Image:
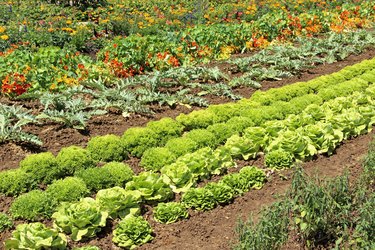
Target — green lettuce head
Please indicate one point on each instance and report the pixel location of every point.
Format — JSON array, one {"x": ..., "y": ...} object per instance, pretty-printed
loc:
[{"x": 80, "y": 219}]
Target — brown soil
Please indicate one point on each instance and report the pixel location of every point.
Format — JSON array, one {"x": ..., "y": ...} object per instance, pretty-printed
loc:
[
  {"x": 55, "y": 137},
  {"x": 203, "y": 230}
]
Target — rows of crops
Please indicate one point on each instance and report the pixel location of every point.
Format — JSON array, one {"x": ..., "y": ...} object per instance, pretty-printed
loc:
[
  {"x": 65, "y": 62},
  {"x": 290, "y": 123},
  {"x": 46, "y": 47}
]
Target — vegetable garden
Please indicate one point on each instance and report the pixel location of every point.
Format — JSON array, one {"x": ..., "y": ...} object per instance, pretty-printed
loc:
[{"x": 158, "y": 124}]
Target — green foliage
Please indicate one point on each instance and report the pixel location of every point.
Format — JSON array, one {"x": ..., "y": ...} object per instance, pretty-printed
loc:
[
  {"x": 15, "y": 182},
  {"x": 181, "y": 146},
  {"x": 170, "y": 212},
  {"x": 200, "y": 164},
  {"x": 320, "y": 212},
  {"x": 165, "y": 129},
  {"x": 87, "y": 248},
  {"x": 121, "y": 173},
  {"x": 294, "y": 143},
  {"x": 154, "y": 159},
  {"x": 132, "y": 232},
  {"x": 137, "y": 140},
  {"x": 36, "y": 236},
  {"x": 199, "y": 198},
  {"x": 74, "y": 158},
  {"x": 222, "y": 193},
  {"x": 202, "y": 137},
  {"x": 270, "y": 232},
  {"x": 96, "y": 178},
  {"x": 197, "y": 119},
  {"x": 221, "y": 131},
  {"x": 178, "y": 176},
  {"x": 42, "y": 167},
  {"x": 5, "y": 222},
  {"x": 107, "y": 148},
  {"x": 68, "y": 189},
  {"x": 254, "y": 177},
  {"x": 242, "y": 147},
  {"x": 80, "y": 219},
  {"x": 279, "y": 159},
  {"x": 118, "y": 202},
  {"x": 12, "y": 120},
  {"x": 236, "y": 182},
  {"x": 150, "y": 186},
  {"x": 32, "y": 206}
]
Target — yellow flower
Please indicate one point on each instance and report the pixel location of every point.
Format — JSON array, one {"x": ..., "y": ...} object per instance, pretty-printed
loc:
[
  {"x": 53, "y": 86},
  {"x": 69, "y": 22},
  {"x": 4, "y": 37},
  {"x": 50, "y": 29},
  {"x": 2, "y": 29}
]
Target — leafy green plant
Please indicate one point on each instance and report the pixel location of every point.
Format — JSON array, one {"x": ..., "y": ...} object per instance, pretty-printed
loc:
[
  {"x": 202, "y": 137},
  {"x": 96, "y": 178},
  {"x": 150, "y": 186},
  {"x": 137, "y": 140},
  {"x": 180, "y": 146},
  {"x": 242, "y": 147},
  {"x": 36, "y": 236},
  {"x": 178, "y": 176},
  {"x": 74, "y": 158},
  {"x": 5, "y": 222},
  {"x": 87, "y": 248},
  {"x": 118, "y": 202},
  {"x": 279, "y": 159},
  {"x": 68, "y": 189},
  {"x": 154, "y": 159},
  {"x": 81, "y": 219},
  {"x": 72, "y": 112},
  {"x": 107, "y": 148},
  {"x": 199, "y": 198},
  {"x": 170, "y": 212},
  {"x": 165, "y": 129},
  {"x": 32, "y": 206},
  {"x": 222, "y": 193},
  {"x": 132, "y": 232},
  {"x": 42, "y": 167},
  {"x": 15, "y": 182},
  {"x": 121, "y": 173},
  {"x": 12, "y": 120}
]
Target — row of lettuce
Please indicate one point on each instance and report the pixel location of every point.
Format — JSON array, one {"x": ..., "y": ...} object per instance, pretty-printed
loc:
[
  {"x": 160, "y": 143},
  {"x": 330, "y": 108}
]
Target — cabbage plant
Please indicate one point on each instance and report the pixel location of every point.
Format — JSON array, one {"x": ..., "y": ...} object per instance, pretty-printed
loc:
[
  {"x": 118, "y": 202},
  {"x": 36, "y": 236},
  {"x": 80, "y": 219},
  {"x": 132, "y": 232},
  {"x": 170, "y": 212}
]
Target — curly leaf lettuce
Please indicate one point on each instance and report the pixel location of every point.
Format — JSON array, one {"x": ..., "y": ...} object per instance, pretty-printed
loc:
[
  {"x": 118, "y": 202},
  {"x": 36, "y": 236},
  {"x": 80, "y": 219},
  {"x": 132, "y": 232}
]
